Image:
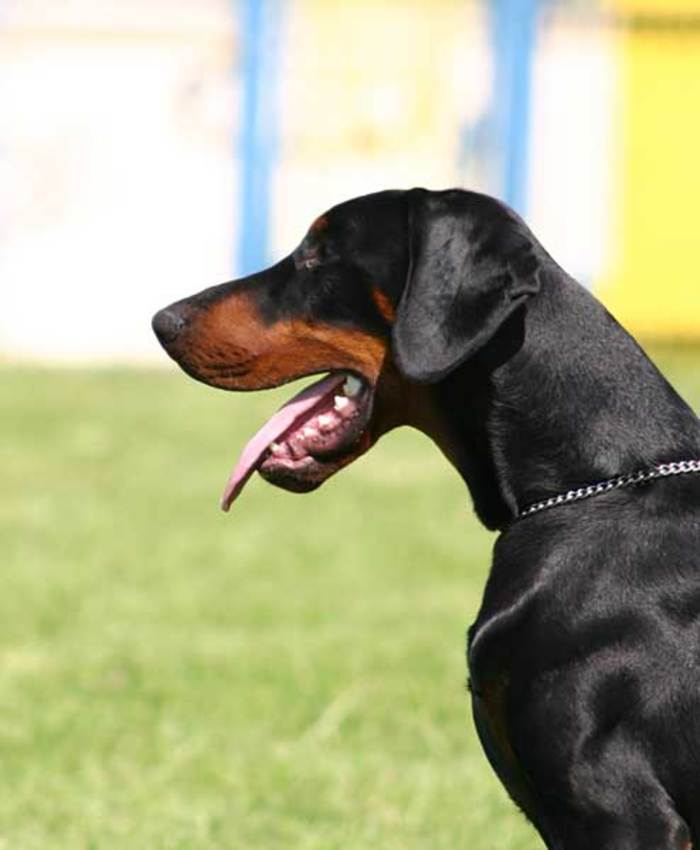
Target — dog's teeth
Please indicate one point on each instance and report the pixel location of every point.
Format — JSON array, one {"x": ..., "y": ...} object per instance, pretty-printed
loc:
[
  {"x": 309, "y": 432},
  {"x": 276, "y": 449},
  {"x": 325, "y": 421},
  {"x": 352, "y": 385},
  {"x": 298, "y": 451},
  {"x": 340, "y": 402}
]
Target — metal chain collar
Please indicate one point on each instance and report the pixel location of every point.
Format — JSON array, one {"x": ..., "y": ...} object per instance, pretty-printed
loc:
[{"x": 663, "y": 470}]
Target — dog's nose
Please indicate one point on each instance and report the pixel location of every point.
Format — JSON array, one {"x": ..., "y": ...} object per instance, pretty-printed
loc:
[{"x": 167, "y": 324}]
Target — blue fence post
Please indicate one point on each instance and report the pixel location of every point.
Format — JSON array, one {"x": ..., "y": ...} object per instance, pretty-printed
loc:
[
  {"x": 256, "y": 144},
  {"x": 514, "y": 34}
]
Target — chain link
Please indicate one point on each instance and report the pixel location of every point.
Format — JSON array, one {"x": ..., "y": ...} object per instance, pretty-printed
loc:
[{"x": 663, "y": 470}]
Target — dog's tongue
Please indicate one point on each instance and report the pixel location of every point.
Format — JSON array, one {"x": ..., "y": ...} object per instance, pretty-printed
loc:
[{"x": 284, "y": 419}]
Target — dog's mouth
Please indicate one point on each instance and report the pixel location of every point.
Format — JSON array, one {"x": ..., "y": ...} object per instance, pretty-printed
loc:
[{"x": 317, "y": 432}]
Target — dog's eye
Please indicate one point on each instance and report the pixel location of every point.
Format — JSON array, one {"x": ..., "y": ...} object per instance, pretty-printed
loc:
[{"x": 308, "y": 260}]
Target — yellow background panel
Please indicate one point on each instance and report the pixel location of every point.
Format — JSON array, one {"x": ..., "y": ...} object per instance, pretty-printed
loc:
[
  {"x": 667, "y": 8},
  {"x": 654, "y": 287}
]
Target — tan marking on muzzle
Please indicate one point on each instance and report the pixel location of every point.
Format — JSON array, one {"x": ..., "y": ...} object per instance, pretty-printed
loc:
[{"x": 229, "y": 346}]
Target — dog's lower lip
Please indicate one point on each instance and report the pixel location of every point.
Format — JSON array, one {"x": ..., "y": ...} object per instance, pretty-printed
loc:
[
  {"x": 321, "y": 422},
  {"x": 325, "y": 436}
]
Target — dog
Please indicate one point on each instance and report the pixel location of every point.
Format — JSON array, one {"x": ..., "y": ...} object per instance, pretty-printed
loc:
[{"x": 442, "y": 311}]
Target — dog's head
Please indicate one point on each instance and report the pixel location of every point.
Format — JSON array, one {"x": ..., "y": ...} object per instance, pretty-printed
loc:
[{"x": 387, "y": 294}]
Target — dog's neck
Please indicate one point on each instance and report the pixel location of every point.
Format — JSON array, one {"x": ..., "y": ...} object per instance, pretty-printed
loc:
[{"x": 561, "y": 397}]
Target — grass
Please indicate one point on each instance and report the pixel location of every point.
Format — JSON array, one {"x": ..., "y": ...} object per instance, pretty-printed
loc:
[{"x": 288, "y": 676}]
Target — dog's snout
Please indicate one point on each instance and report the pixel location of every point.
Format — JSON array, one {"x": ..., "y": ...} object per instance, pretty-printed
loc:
[{"x": 167, "y": 324}]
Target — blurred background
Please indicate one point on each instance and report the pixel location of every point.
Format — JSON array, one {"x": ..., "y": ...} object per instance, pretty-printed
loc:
[
  {"x": 150, "y": 149},
  {"x": 290, "y": 675}
]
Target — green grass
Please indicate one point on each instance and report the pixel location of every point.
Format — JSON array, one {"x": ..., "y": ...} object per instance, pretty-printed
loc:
[{"x": 288, "y": 676}]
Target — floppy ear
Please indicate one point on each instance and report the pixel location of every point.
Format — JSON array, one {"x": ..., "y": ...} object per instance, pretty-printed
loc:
[{"x": 472, "y": 263}]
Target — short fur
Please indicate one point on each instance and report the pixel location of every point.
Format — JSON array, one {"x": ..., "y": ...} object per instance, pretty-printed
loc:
[{"x": 585, "y": 656}]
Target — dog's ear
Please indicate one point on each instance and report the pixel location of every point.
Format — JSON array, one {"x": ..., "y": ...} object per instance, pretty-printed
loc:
[{"x": 472, "y": 263}]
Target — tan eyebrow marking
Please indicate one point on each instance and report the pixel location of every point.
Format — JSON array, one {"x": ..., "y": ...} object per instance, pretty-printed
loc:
[{"x": 319, "y": 225}]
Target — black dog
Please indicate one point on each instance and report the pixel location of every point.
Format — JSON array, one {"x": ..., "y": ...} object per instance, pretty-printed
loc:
[{"x": 442, "y": 311}]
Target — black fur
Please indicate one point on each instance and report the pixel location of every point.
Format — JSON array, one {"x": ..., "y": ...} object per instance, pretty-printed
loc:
[
  {"x": 585, "y": 656},
  {"x": 587, "y": 645}
]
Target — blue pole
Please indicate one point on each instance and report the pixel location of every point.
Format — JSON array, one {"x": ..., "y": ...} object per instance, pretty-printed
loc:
[
  {"x": 514, "y": 35},
  {"x": 256, "y": 146}
]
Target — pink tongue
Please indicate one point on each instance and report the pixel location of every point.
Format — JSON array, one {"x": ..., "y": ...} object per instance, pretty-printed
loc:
[{"x": 282, "y": 420}]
